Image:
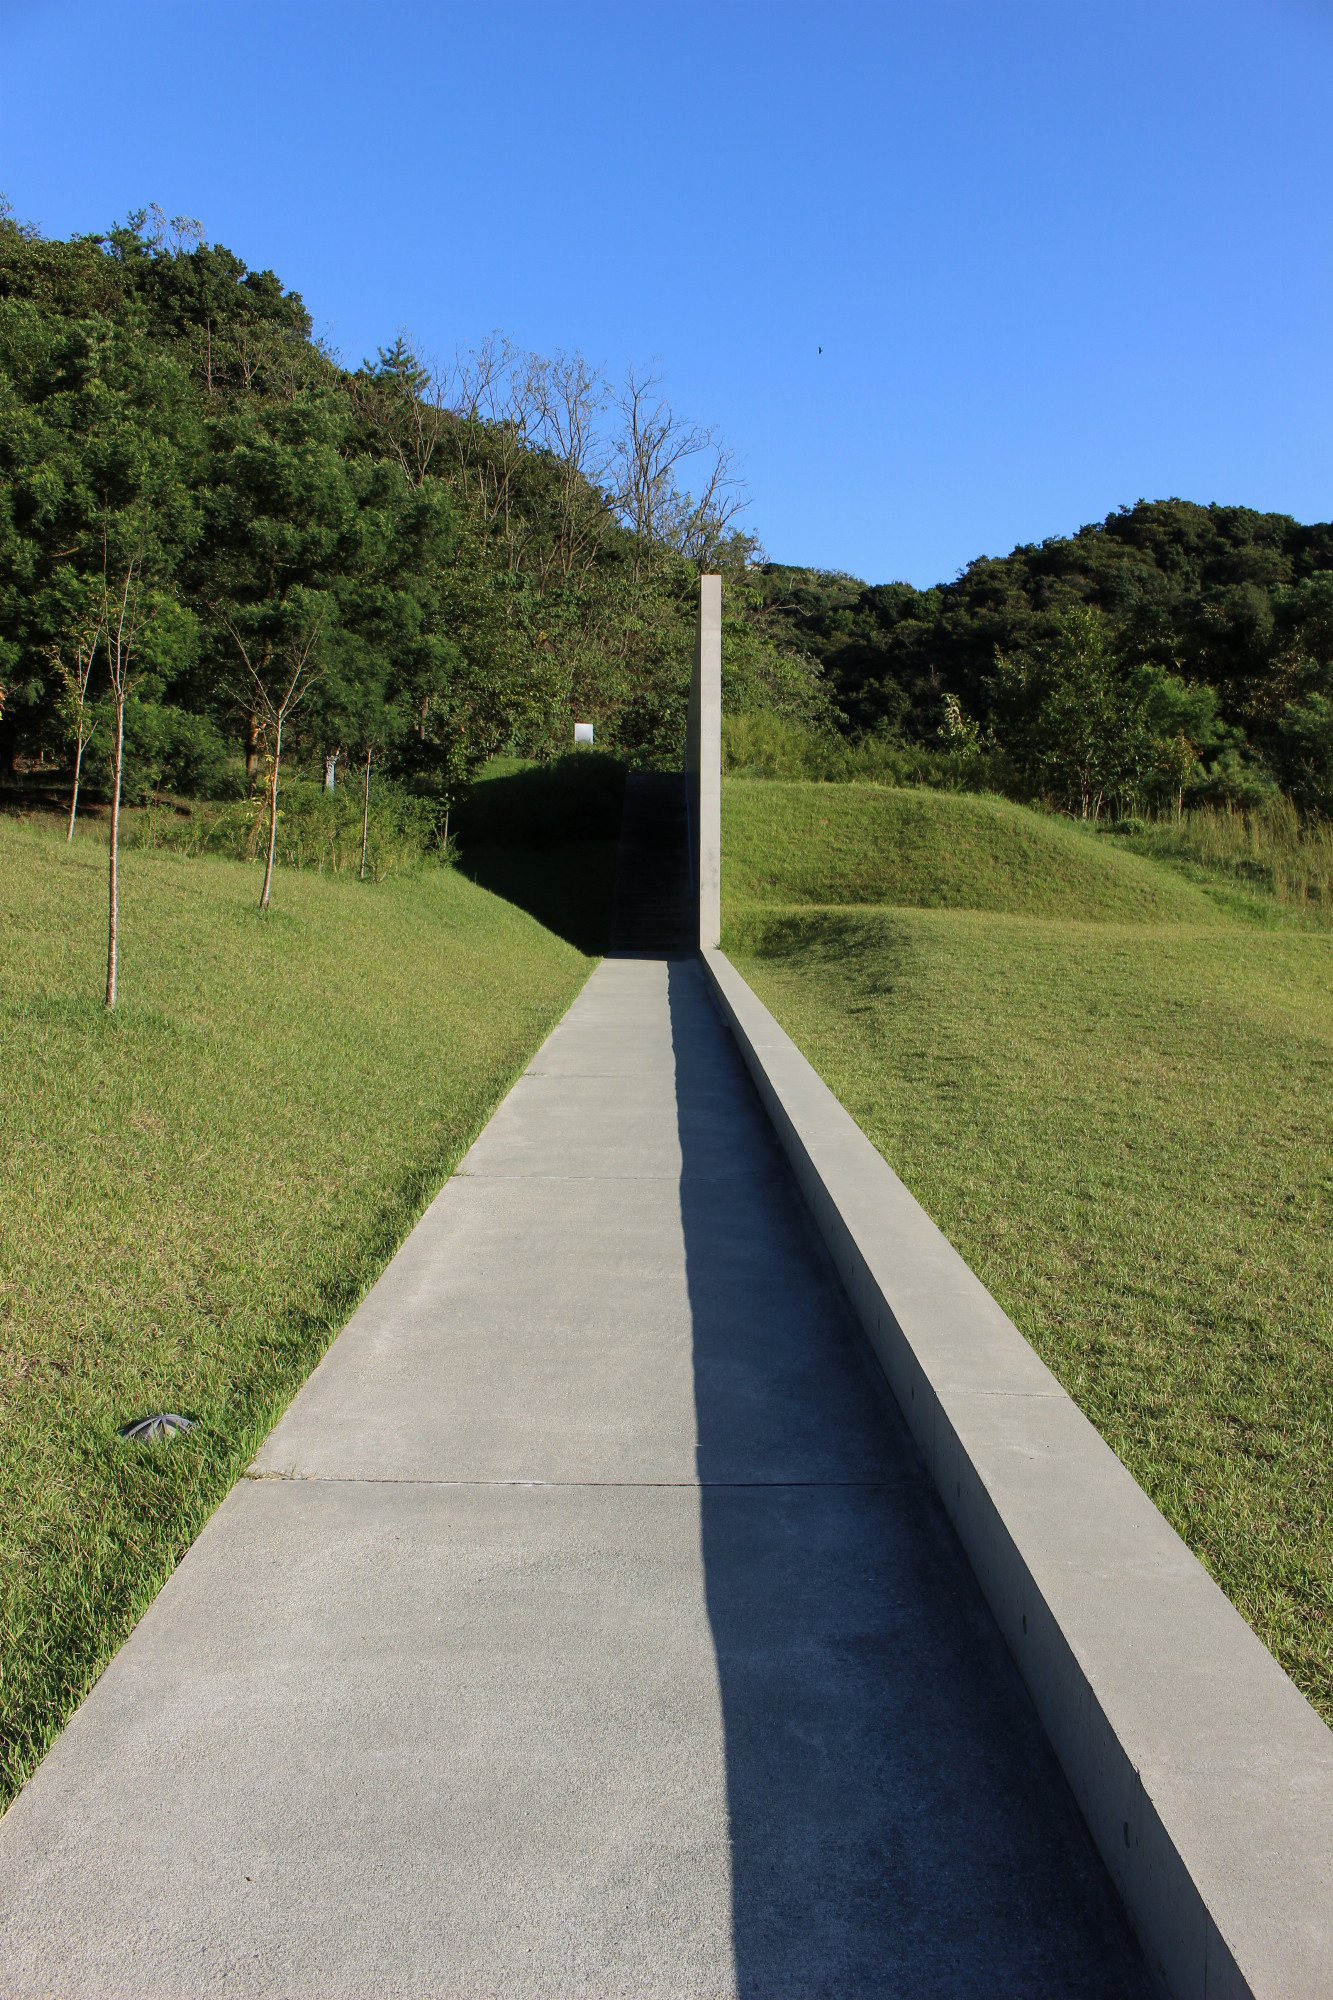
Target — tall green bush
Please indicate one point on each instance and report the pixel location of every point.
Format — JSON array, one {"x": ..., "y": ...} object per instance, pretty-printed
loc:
[{"x": 763, "y": 745}]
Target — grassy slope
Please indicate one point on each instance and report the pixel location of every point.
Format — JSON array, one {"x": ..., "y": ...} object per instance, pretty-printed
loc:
[
  {"x": 194, "y": 1192},
  {"x": 808, "y": 843},
  {"x": 1127, "y": 1130}
]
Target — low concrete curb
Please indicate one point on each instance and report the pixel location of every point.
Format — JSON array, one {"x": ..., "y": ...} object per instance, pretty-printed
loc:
[{"x": 1204, "y": 1774}]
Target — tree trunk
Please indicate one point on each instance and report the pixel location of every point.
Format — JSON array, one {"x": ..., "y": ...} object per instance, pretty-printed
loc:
[
  {"x": 272, "y": 818},
  {"x": 330, "y": 771},
  {"x": 74, "y": 795},
  {"x": 114, "y": 882},
  {"x": 365, "y": 813}
]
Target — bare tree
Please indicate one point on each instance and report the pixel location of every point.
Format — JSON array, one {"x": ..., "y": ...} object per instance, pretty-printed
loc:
[
  {"x": 570, "y": 399},
  {"x": 405, "y": 401},
  {"x": 75, "y": 669},
  {"x": 275, "y": 697},
  {"x": 496, "y": 398},
  {"x": 500, "y": 405},
  {"x": 120, "y": 618},
  {"x": 176, "y": 236},
  {"x": 704, "y": 523},
  {"x": 244, "y": 356},
  {"x": 653, "y": 445}
]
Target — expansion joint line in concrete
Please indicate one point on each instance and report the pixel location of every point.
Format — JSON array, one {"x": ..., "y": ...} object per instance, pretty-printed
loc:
[
  {"x": 575, "y": 1485},
  {"x": 675, "y": 1179}
]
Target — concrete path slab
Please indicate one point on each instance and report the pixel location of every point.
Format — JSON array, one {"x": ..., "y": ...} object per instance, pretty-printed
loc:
[{"x": 588, "y": 1626}]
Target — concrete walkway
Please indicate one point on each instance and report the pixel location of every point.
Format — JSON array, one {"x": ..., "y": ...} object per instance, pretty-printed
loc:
[{"x": 587, "y": 1626}]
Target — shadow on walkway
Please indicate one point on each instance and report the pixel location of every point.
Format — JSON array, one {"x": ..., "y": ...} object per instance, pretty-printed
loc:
[{"x": 898, "y": 1822}]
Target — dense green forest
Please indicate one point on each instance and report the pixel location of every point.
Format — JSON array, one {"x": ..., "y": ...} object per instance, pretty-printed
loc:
[
  {"x": 423, "y": 567},
  {"x": 443, "y": 565},
  {"x": 1171, "y": 653}
]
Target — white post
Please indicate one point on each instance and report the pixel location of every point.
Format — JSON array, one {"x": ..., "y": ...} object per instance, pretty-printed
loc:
[{"x": 703, "y": 764}]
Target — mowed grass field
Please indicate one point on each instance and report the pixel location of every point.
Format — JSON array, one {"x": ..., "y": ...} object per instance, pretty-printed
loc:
[
  {"x": 196, "y": 1190},
  {"x": 1113, "y": 1090}
]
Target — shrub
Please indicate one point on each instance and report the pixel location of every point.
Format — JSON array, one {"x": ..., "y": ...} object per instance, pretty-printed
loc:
[
  {"x": 317, "y": 829},
  {"x": 765, "y": 746},
  {"x": 1268, "y": 848}
]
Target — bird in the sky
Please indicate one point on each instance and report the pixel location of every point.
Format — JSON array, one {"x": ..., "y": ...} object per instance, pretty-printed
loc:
[{"x": 821, "y": 350}]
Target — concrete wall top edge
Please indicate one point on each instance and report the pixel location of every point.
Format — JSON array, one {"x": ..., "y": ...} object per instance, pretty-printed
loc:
[{"x": 703, "y": 761}]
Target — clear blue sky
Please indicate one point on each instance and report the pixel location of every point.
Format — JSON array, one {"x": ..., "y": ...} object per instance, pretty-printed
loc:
[{"x": 1058, "y": 256}]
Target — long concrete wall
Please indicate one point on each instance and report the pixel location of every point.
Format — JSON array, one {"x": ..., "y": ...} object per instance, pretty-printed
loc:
[
  {"x": 1204, "y": 1774},
  {"x": 703, "y": 764}
]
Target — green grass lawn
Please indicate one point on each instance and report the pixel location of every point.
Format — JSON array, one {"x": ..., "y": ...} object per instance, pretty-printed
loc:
[
  {"x": 1126, "y": 1127},
  {"x": 195, "y": 1191}
]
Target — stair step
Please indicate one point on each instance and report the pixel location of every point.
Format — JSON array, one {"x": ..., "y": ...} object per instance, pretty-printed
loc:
[{"x": 653, "y": 910}]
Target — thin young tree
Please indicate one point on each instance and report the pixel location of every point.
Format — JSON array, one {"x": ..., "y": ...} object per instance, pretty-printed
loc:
[
  {"x": 120, "y": 618},
  {"x": 374, "y": 726},
  {"x": 280, "y": 678},
  {"x": 75, "y": 668},
  {"x": 365, "y": 809}
]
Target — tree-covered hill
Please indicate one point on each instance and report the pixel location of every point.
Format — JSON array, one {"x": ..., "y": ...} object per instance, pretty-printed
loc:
[
  {"x": 455, "y": 563},
  {"x": 464, "y": 561},
  {"x": 1209, "y": 629}
]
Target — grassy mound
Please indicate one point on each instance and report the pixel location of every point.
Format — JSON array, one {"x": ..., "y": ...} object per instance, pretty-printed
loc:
[
  {"x": 793, "y": 843},
  {"x": 195, "y": 1191}
]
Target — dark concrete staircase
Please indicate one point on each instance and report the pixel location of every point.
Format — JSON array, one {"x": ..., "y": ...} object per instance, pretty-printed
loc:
[{"x": 653, "y": 913}]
